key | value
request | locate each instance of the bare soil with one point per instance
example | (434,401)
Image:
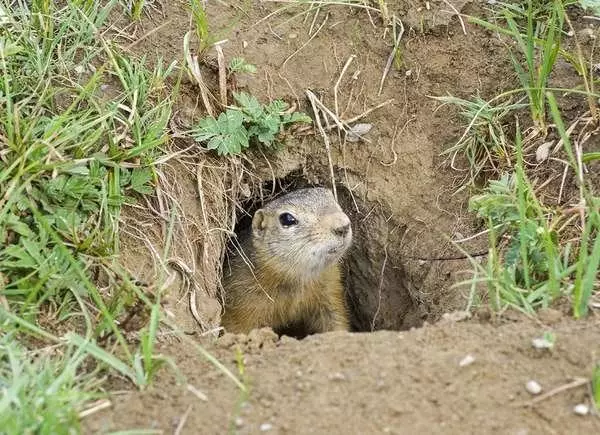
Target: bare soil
(381,382)
(401,197)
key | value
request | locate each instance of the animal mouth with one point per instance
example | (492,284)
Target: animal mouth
(337,250)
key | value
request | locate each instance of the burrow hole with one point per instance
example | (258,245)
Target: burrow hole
(376,286)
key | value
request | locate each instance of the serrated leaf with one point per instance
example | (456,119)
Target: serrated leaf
(249,105)
(233,119)
(140,180)
(297,117)
(592,5)
(276,107)
(78,170)
(206,129)
(17,257)
(239,64)
(15,224)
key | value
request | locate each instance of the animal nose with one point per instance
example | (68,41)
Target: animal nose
(342,230)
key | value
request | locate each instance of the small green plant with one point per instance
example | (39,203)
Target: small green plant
(247,123)
(239,65)
(518,267)
(525,267)
(528,264)
(41,393)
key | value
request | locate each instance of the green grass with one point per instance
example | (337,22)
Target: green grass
(587,275)
(484,143)
(538,44)
(42,392)
(537,252)
(202,32)
(532,261)
(72,157)
(596,387)
(81,125)
(525,268)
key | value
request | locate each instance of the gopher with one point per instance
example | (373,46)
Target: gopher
(287,275)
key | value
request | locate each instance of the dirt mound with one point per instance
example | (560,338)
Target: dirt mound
(382,382)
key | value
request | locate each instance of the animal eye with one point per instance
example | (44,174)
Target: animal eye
(287,220)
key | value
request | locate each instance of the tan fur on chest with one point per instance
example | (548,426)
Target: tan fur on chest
(263,300)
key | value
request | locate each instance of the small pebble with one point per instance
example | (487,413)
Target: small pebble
(542,343)
(337,377)
(265,427)
(239,422)
(581,409)
(456,316)
(533,387)
(467,361)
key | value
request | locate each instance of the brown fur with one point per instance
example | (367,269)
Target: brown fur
(294,284)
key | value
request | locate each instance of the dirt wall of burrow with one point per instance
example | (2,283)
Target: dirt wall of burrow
(395,185)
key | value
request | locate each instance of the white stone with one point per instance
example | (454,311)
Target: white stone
(467,361)
(533,387)
(581,409)
(266,427)
(542,343)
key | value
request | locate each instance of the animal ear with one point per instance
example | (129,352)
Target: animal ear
(258,222)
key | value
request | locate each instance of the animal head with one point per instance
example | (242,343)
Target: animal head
(303,232)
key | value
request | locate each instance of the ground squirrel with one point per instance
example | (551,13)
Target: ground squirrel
(294,283)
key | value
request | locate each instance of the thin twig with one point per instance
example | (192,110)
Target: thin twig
(337,84)
(314,101)
(458,14)
(145,35)
(96,407)
(562,183)
(578,382)
(306,43)
(366,112)
(381,276)
(182,421)
(196,392)
(222,74)
(388,64)
(481,233)
(195,70)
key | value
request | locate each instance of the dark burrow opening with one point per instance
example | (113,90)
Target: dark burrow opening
(377,289)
